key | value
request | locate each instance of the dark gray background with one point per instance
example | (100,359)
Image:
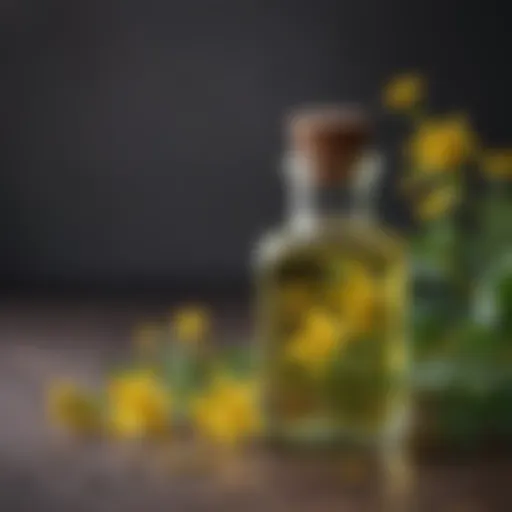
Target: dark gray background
(139,138)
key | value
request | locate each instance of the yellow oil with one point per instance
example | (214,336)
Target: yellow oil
(331,324)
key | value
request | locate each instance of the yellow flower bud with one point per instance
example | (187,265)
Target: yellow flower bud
(73,408)
(438,203)
(404,91)
(191,324)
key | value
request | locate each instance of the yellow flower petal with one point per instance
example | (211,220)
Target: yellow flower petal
(126,423)
(315,343)
(358,299)
(138,405)
(131,385)
(73,408)
(442,144)
(438,203)
(404,91)
(228,412)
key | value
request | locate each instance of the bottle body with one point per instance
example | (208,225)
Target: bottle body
(331,321)
(332,294)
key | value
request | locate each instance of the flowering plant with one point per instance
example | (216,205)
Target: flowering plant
(173,383)
(459,193)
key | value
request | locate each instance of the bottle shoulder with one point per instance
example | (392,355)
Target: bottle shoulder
(350,236)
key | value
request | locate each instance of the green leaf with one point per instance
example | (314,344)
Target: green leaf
(477,344)
(498,411)
(496,232)
(492,301)
(435,313)
(435,375)
(186,371)
(433,245)
(504,301)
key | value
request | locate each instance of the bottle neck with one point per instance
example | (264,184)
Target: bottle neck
(310,202)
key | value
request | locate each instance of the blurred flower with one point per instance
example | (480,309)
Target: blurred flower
(437,203)
(498,163)
(191,324)
(404,91)
(73,408)
(228,412)
(314,344)
(139,406)
(357,299)
(441,144)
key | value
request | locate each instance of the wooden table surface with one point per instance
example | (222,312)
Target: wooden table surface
(40,469)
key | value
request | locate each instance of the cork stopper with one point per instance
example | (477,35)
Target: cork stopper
(331,138)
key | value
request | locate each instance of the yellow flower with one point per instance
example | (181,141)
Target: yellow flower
(354,300)
(73,408)
(358,299)
(314,344)
(228,412)
(139,406)
(191,324)
(498,163)
(442,144)
(438,203)
(404,91)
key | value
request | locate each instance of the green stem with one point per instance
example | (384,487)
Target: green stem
(465,228)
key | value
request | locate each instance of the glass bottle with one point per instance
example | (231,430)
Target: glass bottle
(331,294)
